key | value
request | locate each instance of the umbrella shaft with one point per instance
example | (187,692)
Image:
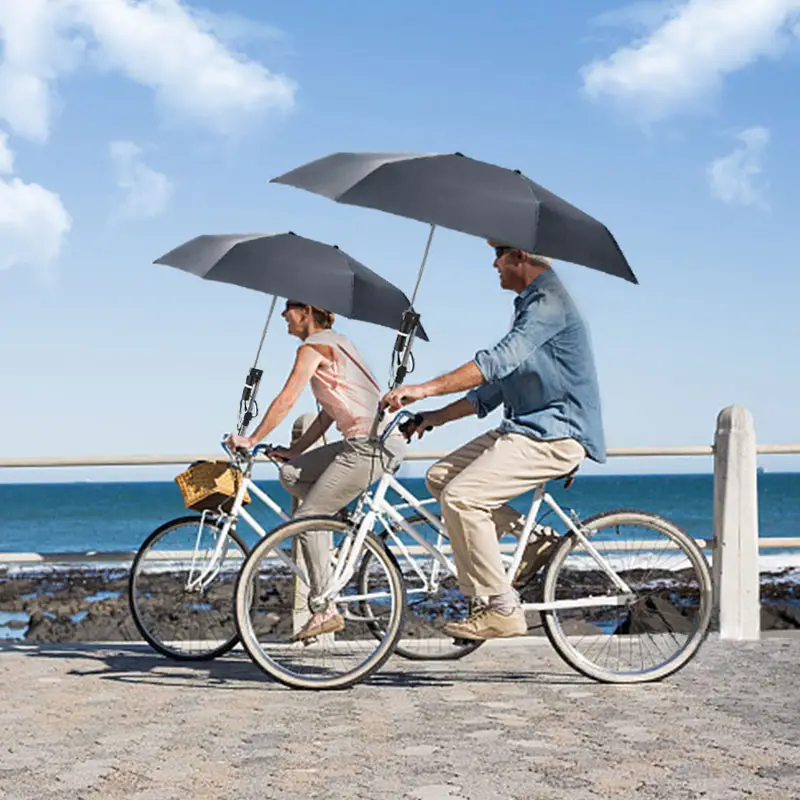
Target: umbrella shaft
(422,265)
(247,404)
(266,326)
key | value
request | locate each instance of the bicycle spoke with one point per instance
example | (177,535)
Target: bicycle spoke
(660,629)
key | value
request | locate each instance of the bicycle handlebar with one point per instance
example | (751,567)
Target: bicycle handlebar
(395,423)
(248,455)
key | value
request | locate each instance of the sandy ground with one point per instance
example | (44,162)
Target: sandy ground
(509,721)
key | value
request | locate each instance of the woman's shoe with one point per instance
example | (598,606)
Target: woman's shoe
(318,624)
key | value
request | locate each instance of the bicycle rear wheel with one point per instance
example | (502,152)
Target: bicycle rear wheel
(650,633)
(178,615)
(273,599)
(433,598)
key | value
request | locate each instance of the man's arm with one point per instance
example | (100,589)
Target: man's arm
(465,377)
(433,419)
(485,398)
(539,322)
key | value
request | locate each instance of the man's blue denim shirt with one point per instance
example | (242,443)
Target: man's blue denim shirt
(543,372)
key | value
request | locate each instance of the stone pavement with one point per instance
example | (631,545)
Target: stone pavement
(509,721)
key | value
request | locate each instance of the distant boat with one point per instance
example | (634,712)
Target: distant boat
(760,470)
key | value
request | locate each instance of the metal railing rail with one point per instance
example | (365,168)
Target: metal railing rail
(735,542)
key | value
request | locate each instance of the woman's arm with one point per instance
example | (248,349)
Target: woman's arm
(305,364)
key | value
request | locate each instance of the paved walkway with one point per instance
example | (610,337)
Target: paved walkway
(510,721)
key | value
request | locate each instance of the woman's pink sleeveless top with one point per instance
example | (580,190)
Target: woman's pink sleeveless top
(344,386)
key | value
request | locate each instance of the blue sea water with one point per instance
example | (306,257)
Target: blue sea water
(80,517)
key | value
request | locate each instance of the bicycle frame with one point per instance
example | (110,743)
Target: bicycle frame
(208,573)
(375,507)
(378,508)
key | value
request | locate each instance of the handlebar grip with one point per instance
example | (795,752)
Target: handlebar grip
(413,422)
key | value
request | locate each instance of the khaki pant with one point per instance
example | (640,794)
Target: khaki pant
(326,479)
(472,484)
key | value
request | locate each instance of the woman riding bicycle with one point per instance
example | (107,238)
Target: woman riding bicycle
(326,478)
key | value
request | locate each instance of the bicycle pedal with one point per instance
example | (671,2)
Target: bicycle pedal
(462,642)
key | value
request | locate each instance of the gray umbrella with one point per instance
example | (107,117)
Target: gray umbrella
(291,266)
(466,195)
(296,268)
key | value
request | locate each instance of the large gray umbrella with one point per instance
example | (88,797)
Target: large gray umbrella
(291,266)
(466,195)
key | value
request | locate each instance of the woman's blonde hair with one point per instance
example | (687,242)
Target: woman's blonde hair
(323,318)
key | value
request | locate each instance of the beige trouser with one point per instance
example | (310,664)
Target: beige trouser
(472,484)
(326,479)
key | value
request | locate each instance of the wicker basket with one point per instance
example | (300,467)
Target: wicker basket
(208,485)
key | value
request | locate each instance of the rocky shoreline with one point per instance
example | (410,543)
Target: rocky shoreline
(85,604)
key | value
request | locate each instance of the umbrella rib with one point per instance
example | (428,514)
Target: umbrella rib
(411,157)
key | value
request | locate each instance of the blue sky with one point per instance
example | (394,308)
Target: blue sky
(129,127)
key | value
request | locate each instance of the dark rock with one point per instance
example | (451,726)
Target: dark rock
(780,616)
(654,614)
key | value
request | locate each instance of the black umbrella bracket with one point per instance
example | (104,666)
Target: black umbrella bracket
(402,355)
(248,407)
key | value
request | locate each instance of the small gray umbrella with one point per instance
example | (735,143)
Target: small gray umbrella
(291,266)
(461,193)
(296,268)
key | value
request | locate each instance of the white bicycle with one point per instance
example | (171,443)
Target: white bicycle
(624,596)
(182,580)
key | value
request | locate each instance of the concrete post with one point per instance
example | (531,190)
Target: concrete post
(735,554)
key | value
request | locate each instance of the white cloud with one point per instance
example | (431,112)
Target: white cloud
(36,51)
(734,178)
(33,221)
(145,192)
(161,44)
(687,56)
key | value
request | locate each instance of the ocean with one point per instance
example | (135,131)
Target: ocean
(80,517)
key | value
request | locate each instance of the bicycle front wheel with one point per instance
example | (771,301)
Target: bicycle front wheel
(181,588)
(640,633)
(275,596)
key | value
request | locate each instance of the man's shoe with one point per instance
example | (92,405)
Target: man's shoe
(316,627)
(537,553)
(488,623)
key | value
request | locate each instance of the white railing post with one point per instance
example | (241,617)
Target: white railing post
(735,554)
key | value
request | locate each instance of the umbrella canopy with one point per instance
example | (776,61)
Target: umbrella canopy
(466,195)
(296,268)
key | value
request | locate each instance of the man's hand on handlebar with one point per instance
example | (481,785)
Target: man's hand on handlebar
(420,424)
(403,396)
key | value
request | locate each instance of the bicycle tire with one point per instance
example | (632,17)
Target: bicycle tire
(245,597)
(697,561)
(155,641)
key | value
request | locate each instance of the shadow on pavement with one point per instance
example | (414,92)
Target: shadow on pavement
(137,663)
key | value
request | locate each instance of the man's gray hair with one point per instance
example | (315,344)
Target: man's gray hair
(541,261)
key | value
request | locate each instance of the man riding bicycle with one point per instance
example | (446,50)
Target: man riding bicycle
(542,372)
